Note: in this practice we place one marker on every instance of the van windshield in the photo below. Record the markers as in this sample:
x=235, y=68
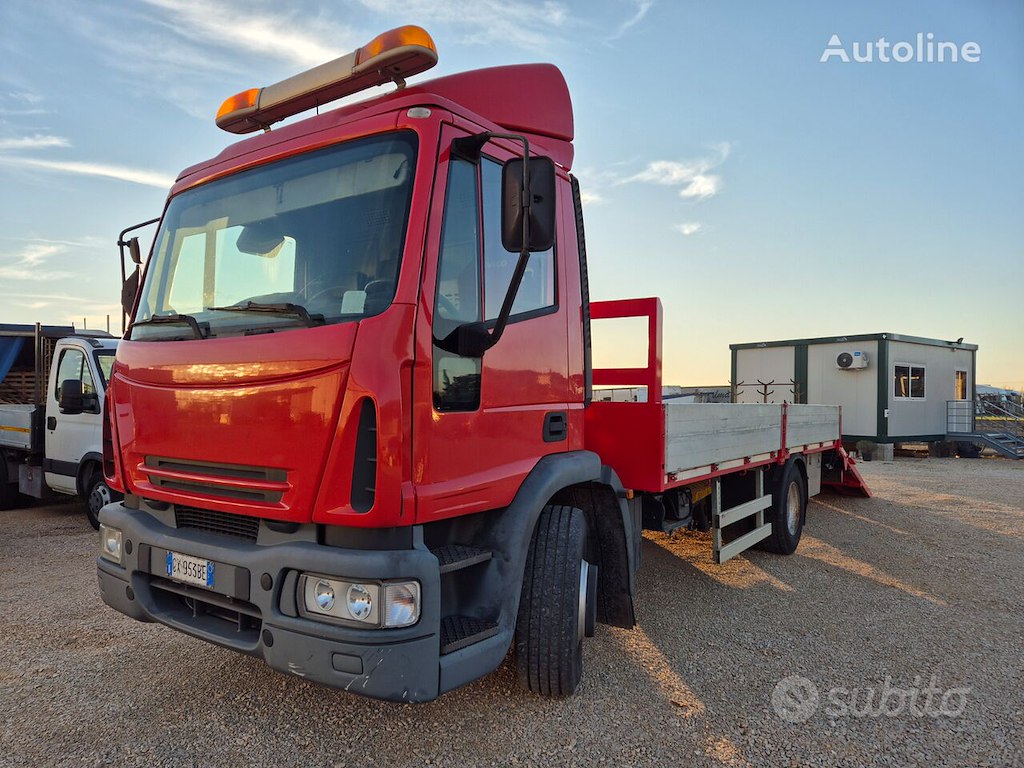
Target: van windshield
x=310, y=240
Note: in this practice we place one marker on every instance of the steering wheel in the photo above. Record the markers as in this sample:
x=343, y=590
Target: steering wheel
x=332, y=291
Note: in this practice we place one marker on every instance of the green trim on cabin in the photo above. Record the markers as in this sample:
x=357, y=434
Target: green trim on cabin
x=732, y=375
x=800, y=379
x=881, y=422
x=856, y=337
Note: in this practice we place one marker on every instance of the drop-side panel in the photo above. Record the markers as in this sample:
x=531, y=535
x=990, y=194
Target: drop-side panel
x=701, y=434
x=811, y=425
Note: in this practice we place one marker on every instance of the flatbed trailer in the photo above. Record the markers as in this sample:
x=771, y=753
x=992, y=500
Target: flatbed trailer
x=675, y=454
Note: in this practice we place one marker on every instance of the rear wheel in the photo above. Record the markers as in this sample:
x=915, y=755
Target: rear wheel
x=556, y=610
x=789, y=505
x=97, y=496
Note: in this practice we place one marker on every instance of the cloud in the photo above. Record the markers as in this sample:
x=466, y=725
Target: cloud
x=591, y=198
x=118, y=172
x=642, y=7
x=523, y=24
x=303, y=40
x=693, y=177
x=688, y=228
x=28, y=263
x=33, y=142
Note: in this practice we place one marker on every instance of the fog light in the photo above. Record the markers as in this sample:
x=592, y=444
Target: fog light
x=324, y=593
x=110, y=544
x=360, y=602
x=401, y=604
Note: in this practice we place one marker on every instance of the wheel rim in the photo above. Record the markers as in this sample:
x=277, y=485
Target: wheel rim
x=793, y=508
x=581, y=617
x=99, y=498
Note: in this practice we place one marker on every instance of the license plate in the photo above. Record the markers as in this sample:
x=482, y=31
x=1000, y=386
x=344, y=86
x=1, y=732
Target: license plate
x=190, y=570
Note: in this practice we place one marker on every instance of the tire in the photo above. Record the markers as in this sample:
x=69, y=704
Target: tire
x=789, y=507
x=556, y=608
x=97, y=496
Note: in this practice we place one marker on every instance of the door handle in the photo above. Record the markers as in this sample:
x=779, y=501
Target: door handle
x=51, y=422
x=556, y=426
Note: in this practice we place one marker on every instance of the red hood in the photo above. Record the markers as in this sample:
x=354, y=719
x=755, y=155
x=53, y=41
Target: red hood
x=214, y=408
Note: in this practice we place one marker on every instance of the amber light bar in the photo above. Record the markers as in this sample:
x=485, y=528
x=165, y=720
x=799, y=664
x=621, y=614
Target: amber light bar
x=389, y=57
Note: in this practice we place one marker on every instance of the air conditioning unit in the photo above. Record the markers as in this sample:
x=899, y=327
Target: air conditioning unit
x=850, y=361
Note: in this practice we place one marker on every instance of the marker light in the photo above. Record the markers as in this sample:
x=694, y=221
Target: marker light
x=391, y=56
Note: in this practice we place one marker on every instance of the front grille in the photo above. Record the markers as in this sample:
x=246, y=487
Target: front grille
x=231, y=481
x=224, y=523
x=236, y=622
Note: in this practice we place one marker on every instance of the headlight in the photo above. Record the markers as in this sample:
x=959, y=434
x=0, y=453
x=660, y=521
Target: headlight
x=110, y=544
x=331, y=599
x=337, y=599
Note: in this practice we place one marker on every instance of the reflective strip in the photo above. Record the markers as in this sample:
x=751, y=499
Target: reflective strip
x=26, y=430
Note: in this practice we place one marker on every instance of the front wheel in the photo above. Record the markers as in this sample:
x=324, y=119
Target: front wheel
x=97, y=496
x=557, y=605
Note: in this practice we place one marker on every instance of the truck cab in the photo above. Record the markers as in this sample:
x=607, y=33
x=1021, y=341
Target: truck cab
x=75, y=394
x=54, y=444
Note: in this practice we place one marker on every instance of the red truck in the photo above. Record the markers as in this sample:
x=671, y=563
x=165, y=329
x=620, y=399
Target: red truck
x=353, y=414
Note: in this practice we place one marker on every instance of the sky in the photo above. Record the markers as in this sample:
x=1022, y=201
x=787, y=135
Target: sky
x=761, y=192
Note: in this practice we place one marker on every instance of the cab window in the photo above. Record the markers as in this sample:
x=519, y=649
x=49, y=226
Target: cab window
x=73, y=366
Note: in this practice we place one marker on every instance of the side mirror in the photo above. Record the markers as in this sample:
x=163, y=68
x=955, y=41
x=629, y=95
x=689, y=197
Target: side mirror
x=133, y=250
x=71, y=398
x=540, y=230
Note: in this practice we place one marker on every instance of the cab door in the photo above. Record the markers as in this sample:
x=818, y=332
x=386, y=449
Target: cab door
x=483, y=422
x=69, y=436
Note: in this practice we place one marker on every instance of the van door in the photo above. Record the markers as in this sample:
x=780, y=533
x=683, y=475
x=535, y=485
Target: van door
x=70, y=436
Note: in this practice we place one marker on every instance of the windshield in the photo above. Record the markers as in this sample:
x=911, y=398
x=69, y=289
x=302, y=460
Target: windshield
x=305, y=241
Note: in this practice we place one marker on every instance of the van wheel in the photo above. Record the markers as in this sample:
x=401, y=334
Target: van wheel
x=97, y=496
x=557, y=606
x=787, y=512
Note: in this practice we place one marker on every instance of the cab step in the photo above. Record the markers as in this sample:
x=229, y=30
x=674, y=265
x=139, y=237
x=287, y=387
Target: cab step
x=459, y=631
x=455, y=557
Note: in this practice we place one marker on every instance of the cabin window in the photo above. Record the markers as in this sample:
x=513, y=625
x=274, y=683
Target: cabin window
x=73, y=367
x=457, y=379
x=537, y=289
x=908, y=382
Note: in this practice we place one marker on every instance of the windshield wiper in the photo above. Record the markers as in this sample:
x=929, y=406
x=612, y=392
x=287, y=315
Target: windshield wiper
x=286, y=308
x=191, y=322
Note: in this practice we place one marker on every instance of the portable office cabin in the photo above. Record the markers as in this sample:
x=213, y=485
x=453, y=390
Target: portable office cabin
x=892, y=388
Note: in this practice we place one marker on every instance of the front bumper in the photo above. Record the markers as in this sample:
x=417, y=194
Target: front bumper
x=252, y=606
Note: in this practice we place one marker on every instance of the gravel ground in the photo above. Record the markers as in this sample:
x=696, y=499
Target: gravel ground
x=920, y=587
